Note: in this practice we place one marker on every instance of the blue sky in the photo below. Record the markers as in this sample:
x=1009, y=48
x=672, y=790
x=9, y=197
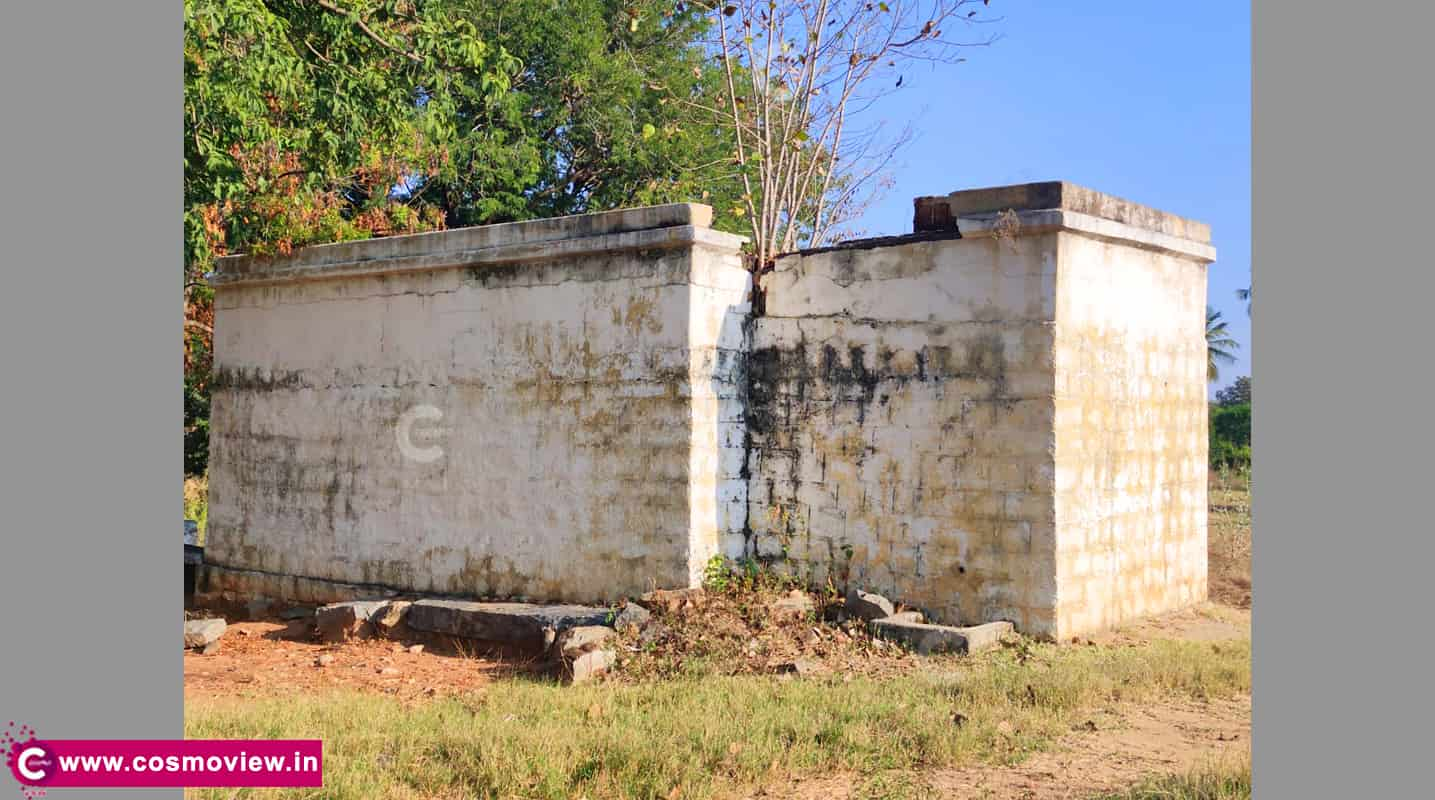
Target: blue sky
x=1150, y=101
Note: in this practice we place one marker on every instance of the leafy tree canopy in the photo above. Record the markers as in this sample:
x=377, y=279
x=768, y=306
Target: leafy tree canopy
x=1237, y=393
x=310, y=121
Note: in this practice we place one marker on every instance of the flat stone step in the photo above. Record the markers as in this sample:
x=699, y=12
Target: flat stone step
x=203, y=632
x=516, y=623
x=927, y=639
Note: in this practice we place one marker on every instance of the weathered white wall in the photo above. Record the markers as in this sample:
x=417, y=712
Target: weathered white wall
x=1010, y=425
x=902, y=424
x=1131, y=439
x=1006, y=425
x=572, y=363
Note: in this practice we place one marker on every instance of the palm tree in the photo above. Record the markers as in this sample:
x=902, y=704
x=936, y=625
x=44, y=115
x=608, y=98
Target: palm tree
x=1219, y=344
x=1245, y=295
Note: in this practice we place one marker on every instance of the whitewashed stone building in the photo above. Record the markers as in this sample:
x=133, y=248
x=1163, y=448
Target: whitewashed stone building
x=999, y=416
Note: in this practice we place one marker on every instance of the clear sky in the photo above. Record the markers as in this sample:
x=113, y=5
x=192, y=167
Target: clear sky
x=1150, y=101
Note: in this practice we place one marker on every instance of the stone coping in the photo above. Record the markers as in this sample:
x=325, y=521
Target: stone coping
x=1055, y=219
x=650, y=227
x=937, y=212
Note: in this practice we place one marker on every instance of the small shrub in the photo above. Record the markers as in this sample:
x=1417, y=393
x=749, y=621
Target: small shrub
x=727, y=576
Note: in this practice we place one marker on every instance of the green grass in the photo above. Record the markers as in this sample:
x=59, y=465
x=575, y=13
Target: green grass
x=522, y=738
x=1214, y=782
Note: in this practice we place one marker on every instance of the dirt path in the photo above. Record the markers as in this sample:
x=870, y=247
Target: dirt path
x=1124, y=748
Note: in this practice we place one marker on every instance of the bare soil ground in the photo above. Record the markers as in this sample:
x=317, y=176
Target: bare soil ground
x=268, y=658
x=1113, y=749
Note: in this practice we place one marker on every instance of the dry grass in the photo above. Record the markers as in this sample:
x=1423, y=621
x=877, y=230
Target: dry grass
x=699, y=737
x=740, y=629
x=1217, y=781
x=1229, y=538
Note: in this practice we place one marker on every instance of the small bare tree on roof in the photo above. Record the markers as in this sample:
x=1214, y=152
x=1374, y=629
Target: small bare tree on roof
x=796, y=74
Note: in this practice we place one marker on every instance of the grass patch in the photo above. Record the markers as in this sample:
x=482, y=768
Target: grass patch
x=1229, y=537
x=699, y=737
x=1212, y=782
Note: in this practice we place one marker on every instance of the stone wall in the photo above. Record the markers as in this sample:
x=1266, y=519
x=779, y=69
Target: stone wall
x=998, y=417
x=1006, y=425
x=538, y=409
x=901, y=422
x=1131, y=437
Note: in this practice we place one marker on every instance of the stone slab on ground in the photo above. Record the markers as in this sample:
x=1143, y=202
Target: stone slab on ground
x=203, y=632
x=632, y=615
x=592, y=664
x=338, y=622
x=390, y=616
x=517, y=623
x=927, y=639
x=576, y=641
x=867, y=605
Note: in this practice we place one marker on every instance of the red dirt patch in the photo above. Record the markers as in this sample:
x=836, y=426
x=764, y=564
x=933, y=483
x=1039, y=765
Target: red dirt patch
x=263, y=659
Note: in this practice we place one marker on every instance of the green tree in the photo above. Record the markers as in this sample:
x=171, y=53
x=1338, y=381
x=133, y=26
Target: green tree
x=597, y=118
x=1237, y=393
x=312, y=121
x=300, y=116
x=1219, y=344
x=1230, y=435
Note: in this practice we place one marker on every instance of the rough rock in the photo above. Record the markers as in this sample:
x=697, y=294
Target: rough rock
x=574, y=642
x=868, y=606
x=201, y=632
x=908, y=616
x=210, y=649
x=592, y=664
x=927, y=639
x=416, y=649
x=797, y=604
x=339, y=622
x=517, y=623
x=324, y=660
x=632, y=615
x=389, y=617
